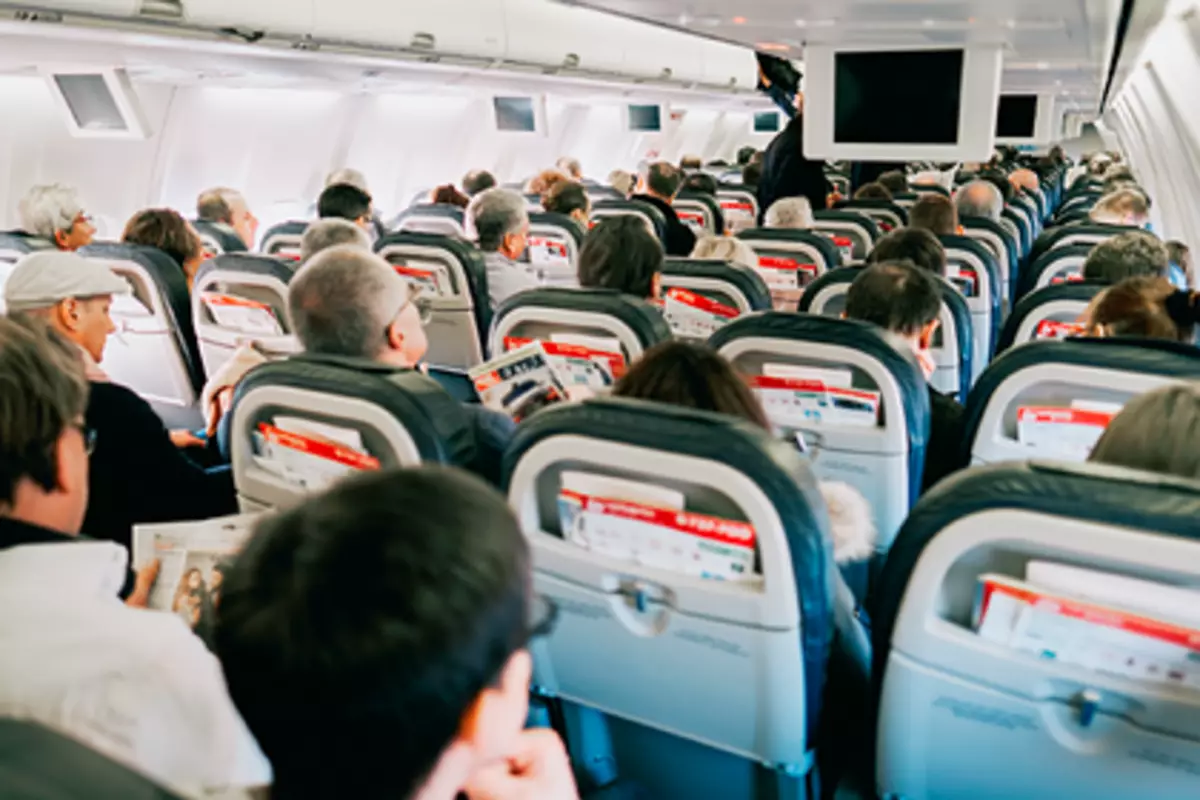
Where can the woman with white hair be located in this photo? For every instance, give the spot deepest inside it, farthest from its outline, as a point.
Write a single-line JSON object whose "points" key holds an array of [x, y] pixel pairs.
{"points": [[790, 212], [53, 212], [724, 248]]}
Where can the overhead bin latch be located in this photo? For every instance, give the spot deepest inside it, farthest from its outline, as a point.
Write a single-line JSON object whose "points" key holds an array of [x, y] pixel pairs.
{"points": [[571, 61], [423, 41]]}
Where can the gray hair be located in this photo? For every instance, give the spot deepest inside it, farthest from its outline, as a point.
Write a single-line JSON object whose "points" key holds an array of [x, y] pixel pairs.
{"points": [[46, 210], [495, 214], [326, 233], [217, 205], [351, 177], [980, 200], [343, 301], [724, 248], [571, 166], [1127, 255], [790, 212], [1115, 208], [623, 181]]}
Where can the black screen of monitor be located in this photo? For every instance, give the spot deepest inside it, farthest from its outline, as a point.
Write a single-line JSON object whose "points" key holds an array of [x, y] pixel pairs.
{"points": [[645, 118], [766, 122], [902, 97], [1017, 116], [514, 114]]}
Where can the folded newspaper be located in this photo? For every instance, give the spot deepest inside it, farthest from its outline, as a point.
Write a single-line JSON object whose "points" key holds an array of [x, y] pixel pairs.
{"points": [[309, 454], [694, 316], [1067, 433], [533, 374]]}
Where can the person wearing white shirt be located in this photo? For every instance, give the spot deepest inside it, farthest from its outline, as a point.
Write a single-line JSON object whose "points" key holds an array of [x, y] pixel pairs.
{"points": [[135, 685], [501, 224]]}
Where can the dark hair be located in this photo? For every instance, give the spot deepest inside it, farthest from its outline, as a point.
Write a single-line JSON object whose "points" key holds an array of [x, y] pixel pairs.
{"points": [[701, 182], [1157, 432], [564, 198], [693, 376], [1000, 180], [934, 213], [664, 179], [166, 230], [1137, 307], [478, 180], [619, 253], [44, 390], [752, 173], [450, 196], [897, 296], [894, 181], [343, 201], [1180, 255], [873, 191], [357, 629], [690, 162], [1128, 255], [745, 155], [917, 245]]}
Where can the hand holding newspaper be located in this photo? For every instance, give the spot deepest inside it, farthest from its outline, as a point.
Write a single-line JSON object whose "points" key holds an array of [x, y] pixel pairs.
{"points": [[533, 374]]}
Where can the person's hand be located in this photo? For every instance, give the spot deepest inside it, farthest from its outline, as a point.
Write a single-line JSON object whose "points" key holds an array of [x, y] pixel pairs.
{"points": [[147, 574], [537, 769], [182, 439]]}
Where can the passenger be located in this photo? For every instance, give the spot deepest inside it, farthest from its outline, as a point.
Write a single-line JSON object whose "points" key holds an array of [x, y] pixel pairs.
{"points": [[544, 181], [571, 168], [917, 245], [344, 303], [326, 233], [745, 155], [350, 177], [1129, 255], [979, 200], [724, 248], [936, 214], [752, 175], [620, 254], [348, 202], [478, 181], [705, 184], [662, 185], [54, 213], [624, 182], [791, 213], [448, 195], [226, 209], [1141, 307], [691, 163], [1182, 273], [569, 199], [1128, 207], [999, 179], [138, 473], [1157, 431], [412, 681], [906, 302], [786, 171], [895, 182], [1025, 179], [137, 687], [166, 230], [873, 191], [501, 224]]}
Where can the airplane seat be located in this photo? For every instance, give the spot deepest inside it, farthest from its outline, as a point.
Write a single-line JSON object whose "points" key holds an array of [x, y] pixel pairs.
{"points": [[452, 274], [533, 202], [1083, 201], [154, 351], [1087, 233], [13, 246], [1052, 399], [684, 684], [37, 763], [1028, 206], [978, 274], [790, 259], [906, 200], [701, 211], [242, 299], [1003, 245], [887, 215], [1055, 266], [284, 240], [739, 205], [598, 194], [305, 422], [967, 713], [704, 295], [554, 244], [853, 232], [216, 239], [620, 326], [442, 219], [1014, 224], [656, 223], [847, 365], [920, 189], [1048, 313], [953, 349]]}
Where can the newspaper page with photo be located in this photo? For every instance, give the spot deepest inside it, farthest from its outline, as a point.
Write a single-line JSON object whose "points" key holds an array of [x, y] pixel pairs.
{"points": [[518, 383], [584, 365], [309, 454]]}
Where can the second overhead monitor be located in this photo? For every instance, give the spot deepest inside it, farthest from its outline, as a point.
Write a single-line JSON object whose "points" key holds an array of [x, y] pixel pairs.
{"points": [[1024, 119]]}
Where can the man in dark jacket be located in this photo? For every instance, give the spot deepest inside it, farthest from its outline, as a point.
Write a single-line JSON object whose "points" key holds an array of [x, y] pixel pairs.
{"points": [[788, 173], [663, 182]]}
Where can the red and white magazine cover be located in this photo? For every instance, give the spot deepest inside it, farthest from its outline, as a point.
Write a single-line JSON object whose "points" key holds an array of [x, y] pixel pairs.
{"points": [[693, 315]]}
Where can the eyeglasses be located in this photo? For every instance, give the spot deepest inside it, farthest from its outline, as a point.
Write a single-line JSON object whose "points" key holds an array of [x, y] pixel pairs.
{"points": [[89, 437], [543, 614]]}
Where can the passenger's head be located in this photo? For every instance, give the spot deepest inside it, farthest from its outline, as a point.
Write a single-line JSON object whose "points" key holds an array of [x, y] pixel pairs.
{"points": [[691, 376], [1181, 256], [1157, 432], [790, 213], [448, 195], [900, 298], [725, 248], [375, 637], [873, 191], [500, 221], [999, 179], [1098, 164], [54, 212], [43, 442], [351, 177], [752, 174], [1025, 179], [701, 182], [979, 200], [228, 207], [624, 182], [1138, 308], [544, 181], [917, 245], [691, 162], [1130, 255], [326, 233], [570, 167], [663, 180], [477, 181], [344, 201], [71, 293], [621, 254], [349, 302], [570, 199], [894, 181], [745, 155], [166, 230], [1122, 207], [934, 213]]}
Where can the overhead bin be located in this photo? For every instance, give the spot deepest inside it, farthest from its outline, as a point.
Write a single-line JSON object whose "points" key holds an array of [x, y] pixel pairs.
{"points": [[458, 27], [280, 17], [557, 35], [116, 8]]}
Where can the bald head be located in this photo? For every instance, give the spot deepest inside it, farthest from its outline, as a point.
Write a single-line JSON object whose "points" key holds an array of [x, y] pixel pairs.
{"points": [[980, 200], [1025, 179]]}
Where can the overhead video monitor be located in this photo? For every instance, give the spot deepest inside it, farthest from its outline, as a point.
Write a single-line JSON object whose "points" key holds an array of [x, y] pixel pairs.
{"points": [[766, 122], [1023, 119], [644, 119], [515, 114], [919, 104], [97, 103]]}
